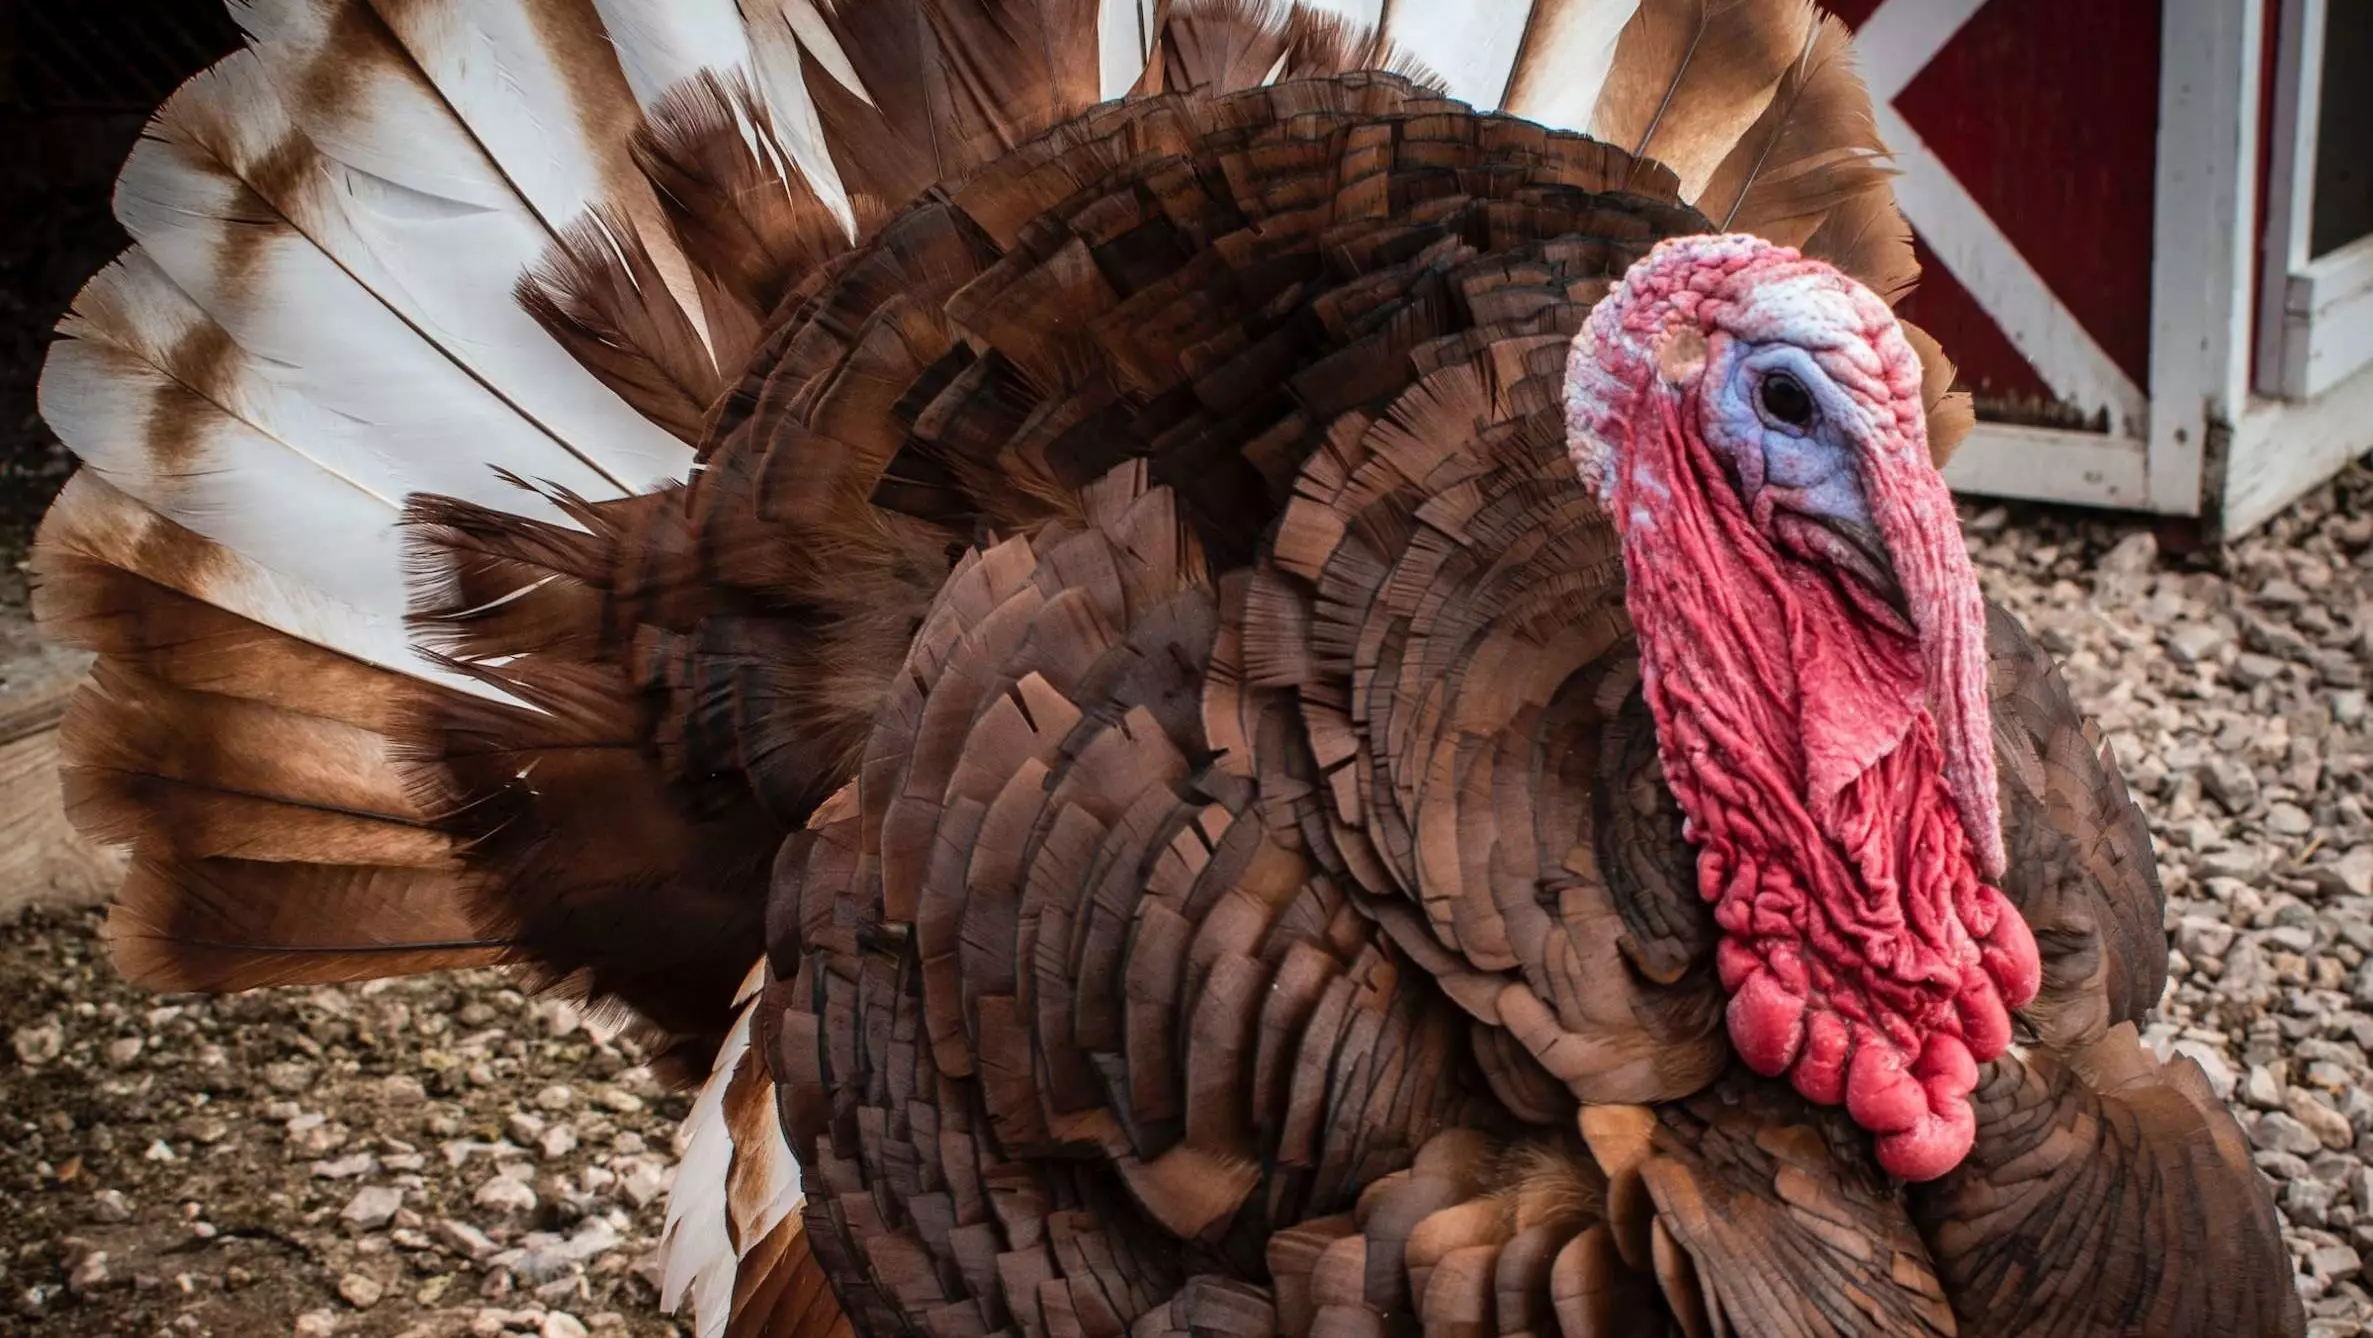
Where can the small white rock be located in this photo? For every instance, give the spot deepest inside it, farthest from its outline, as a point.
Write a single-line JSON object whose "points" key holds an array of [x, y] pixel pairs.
{"points": [[89, 1273], [346, 1168], [505, 1194], [38, 1043], [2327, 1124], [2288, 820], [2350, 875], [360, 1290], [643, 1180], [467, 1239], [560, 1017], [372, 1207], [2261, 1088]]}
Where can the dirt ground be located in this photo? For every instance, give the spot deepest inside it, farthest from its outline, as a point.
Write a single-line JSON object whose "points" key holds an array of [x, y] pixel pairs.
{"points": [[423, 1157]]}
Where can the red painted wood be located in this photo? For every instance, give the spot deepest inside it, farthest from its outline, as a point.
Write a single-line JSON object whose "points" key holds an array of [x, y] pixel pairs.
{"points": [[1990, 365], [1854, 12], [2047, 112]]}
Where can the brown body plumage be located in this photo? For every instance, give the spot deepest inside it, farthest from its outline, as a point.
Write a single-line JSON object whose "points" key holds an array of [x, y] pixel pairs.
{"points": [[1135, 660]]}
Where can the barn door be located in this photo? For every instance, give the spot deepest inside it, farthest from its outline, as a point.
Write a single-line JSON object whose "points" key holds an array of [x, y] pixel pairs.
{"points": [[2023, 133]]}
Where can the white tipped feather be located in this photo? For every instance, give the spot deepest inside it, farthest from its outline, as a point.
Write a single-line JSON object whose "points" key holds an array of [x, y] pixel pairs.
{"points": [[543, 95], [336, 280], [1471, 46], [318, 319], [152, 394], [360, 156], [662, 43], [500, 85], [1125, 39], [93, 519], [1568, 48], [777, 31], [715, 1173]]}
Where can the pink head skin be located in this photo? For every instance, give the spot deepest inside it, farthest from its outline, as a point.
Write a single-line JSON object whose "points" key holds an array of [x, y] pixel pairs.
{"points": [[1812, 645]]}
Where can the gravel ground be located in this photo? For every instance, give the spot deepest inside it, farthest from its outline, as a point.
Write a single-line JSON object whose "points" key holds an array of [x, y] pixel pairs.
{"points": [[421, 1158], [2232, 686], [443, 1156]]}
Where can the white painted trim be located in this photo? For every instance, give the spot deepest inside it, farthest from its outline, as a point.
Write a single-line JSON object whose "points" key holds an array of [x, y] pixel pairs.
{"points": [[2327, 320], [2283, 449], [2290, 182], [1901, 36], [1969, 244], [2202, 244], [2046, 465]]}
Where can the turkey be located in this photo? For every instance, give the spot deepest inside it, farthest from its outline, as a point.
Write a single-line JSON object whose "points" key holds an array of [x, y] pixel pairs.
{"points": [[1205, 689]]}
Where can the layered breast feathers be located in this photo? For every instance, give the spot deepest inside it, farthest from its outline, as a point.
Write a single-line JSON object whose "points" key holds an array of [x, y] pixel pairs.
{"points": [[1091, 599]]}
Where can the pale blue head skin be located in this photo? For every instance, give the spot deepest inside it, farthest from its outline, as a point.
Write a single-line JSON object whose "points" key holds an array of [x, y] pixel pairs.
{"points": [[1812, 469]]}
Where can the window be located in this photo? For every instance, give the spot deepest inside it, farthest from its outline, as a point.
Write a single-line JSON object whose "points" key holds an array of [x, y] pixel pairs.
{"points": [[2343, 205], [2315, 310]]}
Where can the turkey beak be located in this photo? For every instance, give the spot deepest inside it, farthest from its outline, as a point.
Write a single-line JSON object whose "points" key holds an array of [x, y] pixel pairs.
{"points": [[1863, 551]]}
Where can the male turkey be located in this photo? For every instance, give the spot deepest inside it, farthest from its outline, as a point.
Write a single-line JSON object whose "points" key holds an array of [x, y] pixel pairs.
{"points": [[1278, 706]]}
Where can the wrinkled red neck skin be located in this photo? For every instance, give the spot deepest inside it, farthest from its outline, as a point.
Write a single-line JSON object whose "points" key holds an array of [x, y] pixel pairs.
{"points": [[1866, 958]]}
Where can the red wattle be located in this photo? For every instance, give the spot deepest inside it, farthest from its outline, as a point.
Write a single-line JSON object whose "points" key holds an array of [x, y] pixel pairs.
{"points": [[1767, 1024]]}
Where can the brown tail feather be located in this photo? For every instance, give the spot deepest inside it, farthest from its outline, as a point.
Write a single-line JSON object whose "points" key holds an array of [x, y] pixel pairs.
{"points": [[620, 879], [230, 924], [1225, 45], [1690, 77], [753, 227], [702, 662], [599, 295], [949, 85], [277, 836], [1951, 413], [1813, 150]]}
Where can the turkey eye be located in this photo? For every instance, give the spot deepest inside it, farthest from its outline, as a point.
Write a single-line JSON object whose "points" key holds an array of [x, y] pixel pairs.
{"points": [[1785, 398]]}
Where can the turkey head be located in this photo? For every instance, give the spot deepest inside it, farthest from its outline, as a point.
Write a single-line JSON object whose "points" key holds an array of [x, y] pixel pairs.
{"points": [[1812, 647]]}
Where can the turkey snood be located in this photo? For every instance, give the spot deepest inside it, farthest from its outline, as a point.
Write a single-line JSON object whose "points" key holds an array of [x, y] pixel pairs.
{"points": [[1812, 648]]}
